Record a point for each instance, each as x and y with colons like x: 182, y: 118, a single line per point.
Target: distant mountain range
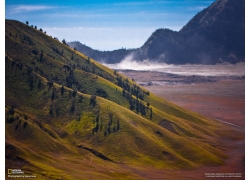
x: 214, y: 35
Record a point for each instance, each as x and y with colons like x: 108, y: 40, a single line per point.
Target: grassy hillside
x: 69, y: 117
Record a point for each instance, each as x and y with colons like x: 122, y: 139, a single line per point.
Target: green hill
x: 69, y: 117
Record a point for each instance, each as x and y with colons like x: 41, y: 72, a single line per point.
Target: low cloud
x: 225, y: 69
x: 130, y: 63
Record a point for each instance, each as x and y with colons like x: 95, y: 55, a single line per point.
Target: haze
x: 194, y: 69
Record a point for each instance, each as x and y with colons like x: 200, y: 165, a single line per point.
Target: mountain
x: 214, y: 35
x: 69, y: 117
x: 102, y: 56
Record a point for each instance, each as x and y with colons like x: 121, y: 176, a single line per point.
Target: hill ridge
x: 58, y: 100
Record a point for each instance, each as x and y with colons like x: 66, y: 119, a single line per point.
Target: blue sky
x: 105, y: 25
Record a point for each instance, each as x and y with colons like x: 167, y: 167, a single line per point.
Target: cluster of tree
x: 60, y: 52
x: 98, y: 124
x: 112, y: 126
x: 26, y: 40
x: 13, y: 64
x: 137, y: 105
x: 132, y: 89
x: 92, y: 100
x: 101, y: 92
x: 53, y: 95
x: 64, y: 41
x: 70, y: 79
x: 27, y: 23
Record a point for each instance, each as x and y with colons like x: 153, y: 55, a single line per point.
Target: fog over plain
x: 195, y: 69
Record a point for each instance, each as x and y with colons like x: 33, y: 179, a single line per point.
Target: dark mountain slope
x: 214, y: 35
x: 218, y: 32
x: 164, y: 45
x: 102, y: 56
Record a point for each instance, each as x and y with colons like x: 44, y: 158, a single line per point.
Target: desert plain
x: 217, y: 97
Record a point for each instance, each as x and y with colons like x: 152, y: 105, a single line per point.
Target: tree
x: 27, y: 22
x: 12, y: 110
x: 57, y: 112
x: 62, y: 90
x: 123, y: 92
x: 151, y: 113
x: 31, y: 82
x: 92, y: 100
x: 41, y: 56
x: 63, y: 41
x: 25, y: 125
x: 118, y: 126
x: 101, y: 92
x: 72, y: 109
x: 35, y: 27
x: 97, y: 118
x: 105, y: 133
x: 74, y: 93
x: 80, y: 98
x: 53, y: 95
x: 96, y: 127
x: 39, y: 84
x: 110, y: 119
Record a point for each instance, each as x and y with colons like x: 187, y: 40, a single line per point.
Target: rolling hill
x: 69, y: 117
x: 214, y: 35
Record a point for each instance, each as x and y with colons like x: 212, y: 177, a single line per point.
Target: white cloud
x: 195, y: 8
x: 27, y: 8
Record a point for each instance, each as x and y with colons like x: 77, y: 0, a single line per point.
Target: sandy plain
x: 219, y: 97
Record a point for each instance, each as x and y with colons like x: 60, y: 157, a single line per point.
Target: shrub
x: 74, y: 93
x: 62, y: 90
x: 101, y: 92
x: 92, y: 100
x: 12, y: 110
x: 25, y: 117
x: 80, y: 98
x: 25, y: 125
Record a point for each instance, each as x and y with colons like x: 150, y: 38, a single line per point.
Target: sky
x: 105, y: 25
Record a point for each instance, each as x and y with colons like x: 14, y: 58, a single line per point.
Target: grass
x: 59, y: 122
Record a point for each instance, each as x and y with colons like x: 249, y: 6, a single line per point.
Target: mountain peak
x: 214, y: 35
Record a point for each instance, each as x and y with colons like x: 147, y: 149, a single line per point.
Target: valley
x: 68, y: 116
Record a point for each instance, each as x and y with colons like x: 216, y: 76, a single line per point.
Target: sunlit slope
x: 59, y: 63
x: 65, y: 108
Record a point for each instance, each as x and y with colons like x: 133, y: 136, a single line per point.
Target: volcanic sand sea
x: 218, y: 97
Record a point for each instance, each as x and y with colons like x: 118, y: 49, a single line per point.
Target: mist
x: 129, y: 63
x: 226, y: 69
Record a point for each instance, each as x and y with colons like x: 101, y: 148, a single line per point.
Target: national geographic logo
x: 19, y: 173
x: 15, y: 171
